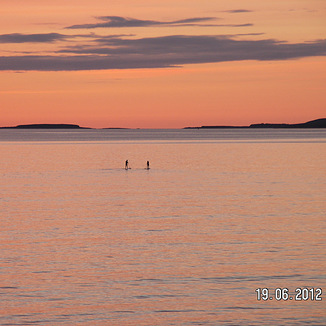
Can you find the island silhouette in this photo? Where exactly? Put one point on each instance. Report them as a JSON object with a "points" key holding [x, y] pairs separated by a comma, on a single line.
{"points": [[48, 126], [318, 123], [53, 126]]}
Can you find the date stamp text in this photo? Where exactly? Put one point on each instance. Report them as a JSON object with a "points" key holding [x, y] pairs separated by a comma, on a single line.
{"points": [[284, 294]]}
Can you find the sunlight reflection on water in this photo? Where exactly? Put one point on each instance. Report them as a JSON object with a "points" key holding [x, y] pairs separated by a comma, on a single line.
{"points": [[185, 243]]}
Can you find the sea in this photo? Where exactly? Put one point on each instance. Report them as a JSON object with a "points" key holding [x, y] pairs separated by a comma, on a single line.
{"points": [[227, 227]]}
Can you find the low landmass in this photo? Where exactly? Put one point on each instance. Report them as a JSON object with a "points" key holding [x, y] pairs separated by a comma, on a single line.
{"points": [[47, 126], [319, 123], [52, 126]]}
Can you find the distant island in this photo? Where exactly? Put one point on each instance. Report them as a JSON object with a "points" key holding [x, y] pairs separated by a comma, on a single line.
{"points": [[319, 123], [47, 126], [53, 126]]}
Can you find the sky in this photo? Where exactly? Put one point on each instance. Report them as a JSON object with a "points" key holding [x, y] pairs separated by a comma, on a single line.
{"points": [[162, 64]]}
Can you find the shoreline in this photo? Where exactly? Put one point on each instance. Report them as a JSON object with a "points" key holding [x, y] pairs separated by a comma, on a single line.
{"points": [[318, 123]]}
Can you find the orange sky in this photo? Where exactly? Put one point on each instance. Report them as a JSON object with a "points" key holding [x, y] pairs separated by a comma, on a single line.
{"points": [[180, 63]]}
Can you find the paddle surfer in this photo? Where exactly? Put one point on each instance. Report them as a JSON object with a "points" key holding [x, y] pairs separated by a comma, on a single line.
{"points": [[126, 165]]}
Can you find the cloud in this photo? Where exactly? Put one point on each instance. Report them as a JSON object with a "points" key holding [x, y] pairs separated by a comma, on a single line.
{"points": [[159, 52], [48, 38], [119, 22], [31, 38], [237, 11], [222, 48]]}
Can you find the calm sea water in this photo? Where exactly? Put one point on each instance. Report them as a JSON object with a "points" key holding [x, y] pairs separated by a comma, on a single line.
{"points": [[220, 214]]}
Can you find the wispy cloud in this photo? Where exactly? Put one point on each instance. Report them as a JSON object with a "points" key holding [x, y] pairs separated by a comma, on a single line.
{"points": [[119, 22], [31, 38], [237, 11], [50, 37], [158, 52]]}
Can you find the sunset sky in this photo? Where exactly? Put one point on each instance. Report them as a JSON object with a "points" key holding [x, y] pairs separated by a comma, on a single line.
{"points": [[162, 64]]}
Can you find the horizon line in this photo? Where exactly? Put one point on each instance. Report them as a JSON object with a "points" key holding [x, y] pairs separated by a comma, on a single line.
{"points": [[320, 121]]}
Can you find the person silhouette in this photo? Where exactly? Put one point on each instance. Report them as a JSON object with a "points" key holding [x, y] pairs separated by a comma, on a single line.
{"points": [[147, 165], [126, 165]]}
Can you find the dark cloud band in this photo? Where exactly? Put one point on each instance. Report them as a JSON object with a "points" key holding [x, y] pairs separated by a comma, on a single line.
{"points": [[31, 38], [158, 52], [119, 22]]}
